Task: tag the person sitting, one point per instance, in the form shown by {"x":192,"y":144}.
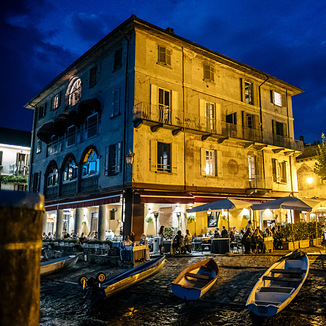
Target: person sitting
{"x":143,"y":242}
{"x":258,"y":241}
{"x":178,"y":245}
{"x":224,"y":233}
{"x":246,"y":240}
{"x":126,"y":250}
{"x":217,"y":233}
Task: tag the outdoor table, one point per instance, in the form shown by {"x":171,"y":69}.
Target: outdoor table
{"x":220,"y":245}
{"x":269,"y":244}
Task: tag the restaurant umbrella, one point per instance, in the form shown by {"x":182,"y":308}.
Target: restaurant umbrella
{"x":289,"y":202}
{"x":227,"y":204}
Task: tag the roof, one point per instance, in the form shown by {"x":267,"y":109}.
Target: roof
{"x":15,"y":137}
{"x":130,"y":24}
{"x":308,"y":152}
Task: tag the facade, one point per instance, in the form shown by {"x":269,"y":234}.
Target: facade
{"x":147,"y":124}
{"x":15,"y":146}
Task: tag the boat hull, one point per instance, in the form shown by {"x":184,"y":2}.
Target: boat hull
{"x":54,"y":265}
{"x":192,"y":283}
{"x":279,"y":285}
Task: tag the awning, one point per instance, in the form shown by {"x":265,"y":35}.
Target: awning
{"x":46,"y":132}
{"x":88,"y":107}
{"x":285,"y":203}
{"x":64,"y":120}
{"x":221,"y":204}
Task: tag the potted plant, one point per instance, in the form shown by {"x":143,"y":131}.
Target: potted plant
{"x":191,"y":218}
{"x":149,"y":219}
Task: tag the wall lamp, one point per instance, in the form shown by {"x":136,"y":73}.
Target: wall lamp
{"x":130,"y":157}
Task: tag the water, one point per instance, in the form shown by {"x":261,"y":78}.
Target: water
{"x":152,"y":302}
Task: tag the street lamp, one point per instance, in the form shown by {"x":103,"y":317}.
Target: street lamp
{"x":130,"y":158}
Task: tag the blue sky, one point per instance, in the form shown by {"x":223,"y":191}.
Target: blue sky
{"x":286,"y":39}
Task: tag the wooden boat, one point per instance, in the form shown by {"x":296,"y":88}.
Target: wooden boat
{"x":54,"y":265}
{"x":279,"y":285}
{"x":100,"y":288}
{"x":195,"y":280}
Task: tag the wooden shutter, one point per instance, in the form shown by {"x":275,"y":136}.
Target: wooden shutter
{"x":106,"y":162}
{"x":285,"y":130}
{"x":287,"y":170}
{"x":218,"y":118}
{"x":153,"y":155}
{"x":284,"y":100}
{"x":203,"y":161}
{"x":273,"y":127}
{"x":272,"y":96}
{"x":154,"y":107}
{"x":202,"y":113}
{"x":174,"y":157}
{"x":241,"y":89}
{"x":219,"y":165}
{"x":175,"y":107}
{"x":118,"y":158}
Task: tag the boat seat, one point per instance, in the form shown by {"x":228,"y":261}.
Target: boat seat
{"x":265,"y":303}
{"x":279,"y":289}
{"x":281,"y":279}
{"x":292,"y":271}
{"x":200,"y":276}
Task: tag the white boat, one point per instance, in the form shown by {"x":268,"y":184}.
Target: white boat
{"x":279,"y":285}
{"x":53,"y":265}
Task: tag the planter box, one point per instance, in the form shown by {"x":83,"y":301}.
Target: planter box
{"x":292,"y":245}
{"x":304,"y":243}
{"x":56,"y":243}
{"x":314,"y":241}
{"x":61,"y":244}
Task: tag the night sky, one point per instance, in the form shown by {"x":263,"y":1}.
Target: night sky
{"x":286,"y":39}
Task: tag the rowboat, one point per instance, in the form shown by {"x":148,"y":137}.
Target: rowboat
{"x":279,"y":285}
{"x":99,"y":288}
{"x":194,"y":281}
{"x":54,"y":265}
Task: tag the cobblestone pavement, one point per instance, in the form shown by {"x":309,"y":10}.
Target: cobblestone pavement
{"x":152,"y":302}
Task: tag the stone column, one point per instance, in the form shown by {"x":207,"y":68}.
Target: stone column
{"x":102,"y":222}
{"x":45,"y":222}
{"x":78,"y":221}
{"x":59,"y":224}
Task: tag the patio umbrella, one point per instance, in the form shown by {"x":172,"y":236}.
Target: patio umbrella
{"x":222,"y":204}
{"x":285,"y":203}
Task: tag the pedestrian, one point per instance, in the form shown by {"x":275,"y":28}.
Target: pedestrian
{"x":162,"y":237}
{"x":187,"y":241}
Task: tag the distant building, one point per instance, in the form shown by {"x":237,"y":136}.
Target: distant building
{"x":146,"y":124}
{"x":15,"y":148}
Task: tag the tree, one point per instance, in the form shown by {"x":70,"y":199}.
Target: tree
{"x":320,"y":165}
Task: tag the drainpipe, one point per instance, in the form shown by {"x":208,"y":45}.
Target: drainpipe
{"x":290,"y":157}
{"x":183,"y":123}
{"x":261,"y":125}
{"x":32,"y":151}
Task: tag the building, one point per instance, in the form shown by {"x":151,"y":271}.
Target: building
{"x":15,"y":148}
{"x":146,"y":124}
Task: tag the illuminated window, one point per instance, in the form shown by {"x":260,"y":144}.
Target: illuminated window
{"x":208,"y":72}
{"x":70,"y":171}
{"x":210,"y":166}
{"x":248,"y":92}
{"x":280,"y":171}
{"x":52,"y":179}
{"x":210,"y":116}
{"x":163,"y":157}
{"x":56,"y":101}
{"x":164,"y":55}
{"x":91,"y":164}
{"x":276,"y":98}
{"x":73,"y":93}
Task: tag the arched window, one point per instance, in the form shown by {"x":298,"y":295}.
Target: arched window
{"x":73,"y":93}
{"x":70,"y":171}
{"x":91,"y":163}
{"x":52,"y":178}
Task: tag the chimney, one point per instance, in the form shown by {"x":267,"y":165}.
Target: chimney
{"x":170,"y":30}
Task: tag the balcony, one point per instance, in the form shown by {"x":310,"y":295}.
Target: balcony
{"x":89,"y":183}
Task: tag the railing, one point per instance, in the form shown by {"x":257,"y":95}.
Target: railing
{"x":167,"y":116}
{"x":89,"y":183}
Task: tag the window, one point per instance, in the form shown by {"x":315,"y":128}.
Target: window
{"x":92,"y":76}
{"x":117,"y":59}
{"x":252,"y":167}
{"x":248,"y":92}
{"x":164,"y":55}
{"x":279,"y":128}
{"x":276,"y":98}
{"x":56,"y":101}
{"x":210,"y":162}
{"x":36,"y":181}
{"x":73,"y":93}
{"x":231,"y":118}
{"x":116,"y":103}
{"x":70,"y":171}
{"x":1,"y":154}
{"x":42,"y":111}
{"x":91,"y":164}
{"x":250,"y":123}
{"x":113,"y":159}
{"x":208,"y":72}
{"x":52,"y":179}
{"x":112,"y":214}
{"x":71,"y":135}
{"x":22,"y":161}
{"x":92,"y":125}
{"x":280,"y":171}
{"x":210,"y":116}
{"x":164,"y":106}
{"x":163,"y":157}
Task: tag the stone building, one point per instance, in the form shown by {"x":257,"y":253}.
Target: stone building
{"x":146,"y":124}
{"x":15,"y":146}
